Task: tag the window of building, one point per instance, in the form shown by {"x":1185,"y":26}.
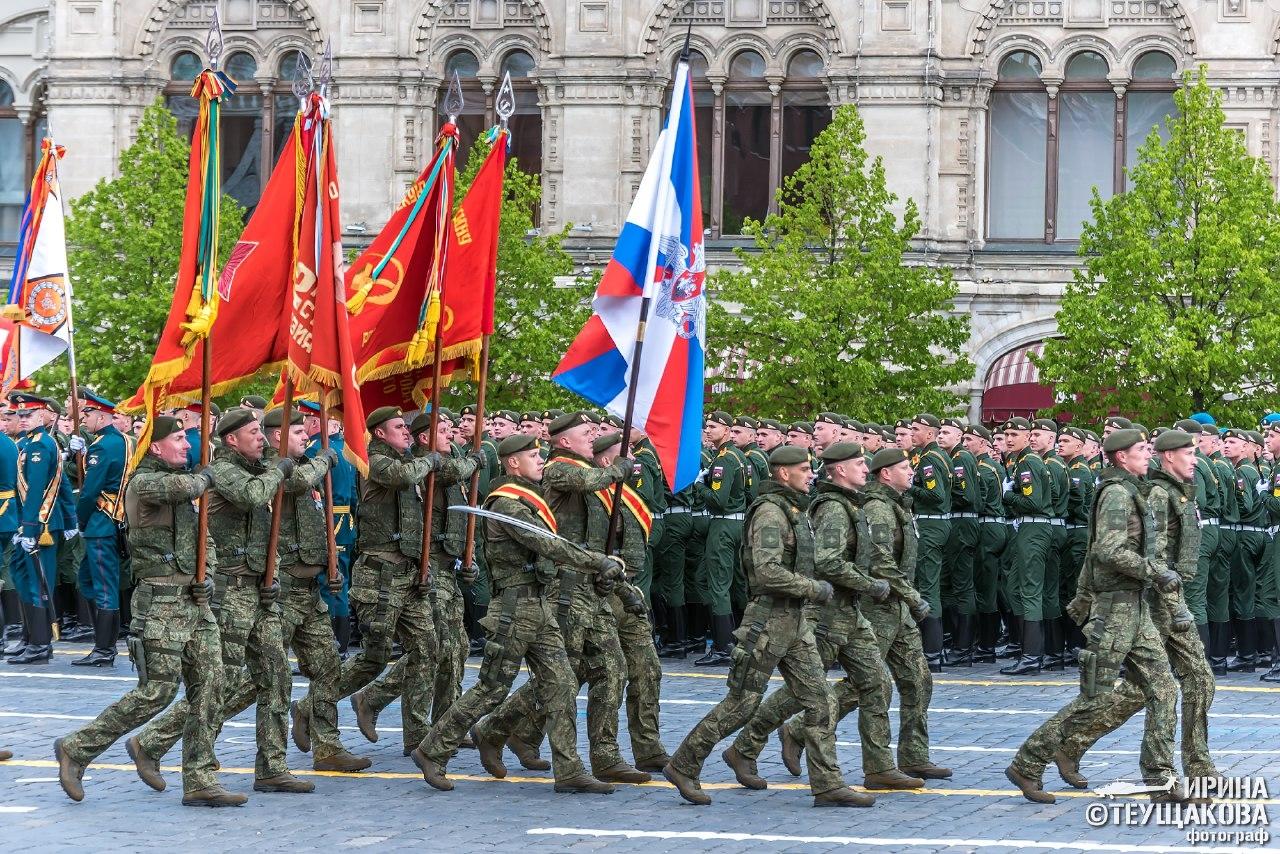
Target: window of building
{"x":805,"y":113}
{"x":474,"y":119}
{"x":1039,"y":184}
{"x":13,"y":168}
{"x":745,"y":185}
{"x":526,"y":124}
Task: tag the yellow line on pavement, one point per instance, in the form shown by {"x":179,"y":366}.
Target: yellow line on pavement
{"x":655,"y":784}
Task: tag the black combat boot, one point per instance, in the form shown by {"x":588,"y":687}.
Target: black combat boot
{"x":722,"y":631}
{"x":1013,"y":644}
{"x":1245,"y":657}
{"x":1273,"y":675}
{"x":1032,"y":659}
{"x":931,"y":638}
{"x":677,"y":647}
{"x":342,"y":634}
{"x":988,"y":628}
{"x":106,"y":626}
{"x":40,"y":630}
{"x":961,"y":654}
{"x":1219,"y":638}
{"x":1264,"y":641}
{"x":1054,"y":644}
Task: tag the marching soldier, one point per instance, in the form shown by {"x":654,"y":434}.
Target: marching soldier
{"x":521,"y":624}
{"x":725,"y":495}
{"x":779,"y":558}
{"x":1209,"y":504}
{"x":1044,"y":438}
{"x":176,"y":635}
{"x":931,"y":500}
{"x":1218,"y":590}
{"x":14,"y":628}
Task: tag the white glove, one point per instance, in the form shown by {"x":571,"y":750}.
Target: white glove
{"x":1008,"y":485}
{"x":70,"y":533}
{"x":16,"y":538}
{"x":28,"y":544}
{"x":76,"y":443}
{"x":1260,"y":487}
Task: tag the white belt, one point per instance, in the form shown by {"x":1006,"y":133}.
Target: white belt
{"x":1212,"y":520}
{"x":738,"y":517}
{"x":1076,"y":527}
{"x":677,"y":511}
{"x":964,"y":515}
{"x":1000,"y":520}
{"x":1022,"y":520}
{"x":939,"y":516}
{"x":657,"y":515}
{"x":1058,"y":523}
{"x":1273,"y":530}
{"x":1252,"y":529}
{"x":702,"y":513}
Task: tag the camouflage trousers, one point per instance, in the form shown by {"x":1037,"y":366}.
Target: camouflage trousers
{"x":390,"y":605}
{"x":644,"y":682}
{"x":180,"y":644}
{"x":768,"y":640}
{"x":254,"y":636}
{"x":447,"y":608}
{"x":1120,"y":632}
{"x":1196,"y":684}
{"x":898,"y":641}
{"x":308,"y":632}
{"x":530,"y":634}
{"x":596,"y":657}
{"x":865,"y":687}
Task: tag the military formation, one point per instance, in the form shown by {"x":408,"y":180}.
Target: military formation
{"x":1147,"y":560}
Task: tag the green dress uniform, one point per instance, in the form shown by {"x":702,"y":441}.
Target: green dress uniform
{"x":1060,"y":483}
{"x":1218,"y":590}
{"x":958,"y":595}
{"x":725,"y":496}
{"x":255,"y":667}
{"x":759,"y":469}
{"x":931,"y":501}
{"x":1080,"y":480}
{"x":1251,"y":542}
{"x":648,"y":480}
{"x":993,"y":535}
{"x":1209,"y":506}
{"x":175,"y":637}
{"x":1029,"y":503}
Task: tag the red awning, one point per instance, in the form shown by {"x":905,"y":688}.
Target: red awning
{"x":1013,"y":387}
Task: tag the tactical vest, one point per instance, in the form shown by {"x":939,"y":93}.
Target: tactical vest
{"x":1188,"y":555}
{"x":303,"y":538}
{"x":509,"y":562}
{"x":1103,"y":580}
{"x":800,"y":555}
{"x":906,"y":541}
{"x":843,"y":598}
{"x":241,"y":536}
{"x":389,"y":518}
{"x":162,"y":537}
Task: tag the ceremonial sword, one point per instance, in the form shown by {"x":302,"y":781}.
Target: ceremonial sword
{"x":509,"y":520}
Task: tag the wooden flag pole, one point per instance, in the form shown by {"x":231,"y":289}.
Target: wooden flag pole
{"x":477,"y":439}
{"x":331,"y":532}
{"x":206,"y":431}
{"x":277,"y":503}
{"x":429,"y":494}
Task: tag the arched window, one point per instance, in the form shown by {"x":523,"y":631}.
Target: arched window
{"x":526,"y":124}
{"x":1148,"y":102}
{"x":473,"y":120}
{"x":747,"y":127}
{"x":1087,"y":156}
{"x":805,"y":112}
{"x":185,"y":66}
{"x":14,"y":169}
{"x":1017,"y":153}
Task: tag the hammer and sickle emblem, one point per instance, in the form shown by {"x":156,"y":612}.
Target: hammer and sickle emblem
{"x":386,"y":286}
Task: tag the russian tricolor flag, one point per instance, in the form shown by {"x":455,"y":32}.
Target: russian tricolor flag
{"x":656,"y":277}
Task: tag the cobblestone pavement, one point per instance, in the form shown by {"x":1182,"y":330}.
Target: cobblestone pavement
{"x":978,"y":719}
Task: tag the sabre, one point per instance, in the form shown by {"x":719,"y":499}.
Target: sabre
{"x":508,"y":520}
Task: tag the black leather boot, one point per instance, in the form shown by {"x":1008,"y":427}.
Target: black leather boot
{"x":678,"y":648}
{"x":1273,"y":675}
{"x":931,"y":639}
{"x":40,"y":629}
{"x":106,"y":626}
{"x":342,"y":634}
{"x":1032,"y":659}
{"x":1245,"y":657}
{"x":722,"y":631}
{"x":988,"y":627}
{"x":1013,"y":645}
{"x":1054,"y":644}
{"x":1264,"y":642}
{"x":1219,"y":636}
{"x":961,"y":654}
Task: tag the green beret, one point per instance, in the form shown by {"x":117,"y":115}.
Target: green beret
{"x":1189,"y":425}
{"x":772,"y":424}
{"x":720,"y":417}
{"x":1092,"y":436}
{"x":801,"y":427}
{"x":469,"y":409}
{"x":829,"y":418}
{"x":871,"y":427}
{"x":254,"y":401}
{"x":421,"y":423}
{"x":887,"y":434}
{"x":381,"y":415}
{"x":613,"y":421}
{"x":165,"y":426}
{"x":1172,"y":440}
{"x":1119,"y":422}
{"x":1046,"y":424}
{"x":567,"y":420}
{"x":788,"y":455}
{"x":54,"y":405}
{"x":927,"y":420}
{"x":516,"y":443}
{"x":1017,"y":424}
{"x":1159,"y":430}
{"x":604,"y":443}
{"x":902,"y":424}
{"x":1235,"y":433}
{"x":508,"y":415}
{"x":1122,"y":440}
{"x":552,"y":414}
{"x":841,"y":451}
{"x":855,"y":425}
{"x":1146,"y":434}
{"x":1074,"y":433}
{"x":978,"y":430}
{"x":886,"y":457}
{"x":1255,"y":437}
{"x":745,"y":421}
{"x":954,"y":422}
{"x":275,"y":417}
{"x":535,"y":417}
{"x":234,"y":420}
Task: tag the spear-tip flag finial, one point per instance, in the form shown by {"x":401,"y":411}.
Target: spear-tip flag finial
{"x":453,"y":100}
{"x":505,"y":104}
{"x":213,"y":41}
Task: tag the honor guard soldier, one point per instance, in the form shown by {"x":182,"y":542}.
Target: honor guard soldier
{"x":1071,"y":448}
{"x":190,"y":418}
{"x":993,"y":535}
{"x":958,"y":595}
{"x":724,"y":493}
{"x":931,"y":501}
{"x":1028,"y":499}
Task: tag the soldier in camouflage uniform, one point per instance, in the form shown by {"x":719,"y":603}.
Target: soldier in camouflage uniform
{"x":1120,"y":568}
{"x":249,"y":615}
{"x":303,"y":551}
{"x":522,"y":625}
{"x":176,"y":636}
{"x":842,"y":553}
{"x":572,"y":486}
{"x":779,"y":559}
{"x":1177,"y":533}
{"x":448,"y":577}
{"x":386,"y":589}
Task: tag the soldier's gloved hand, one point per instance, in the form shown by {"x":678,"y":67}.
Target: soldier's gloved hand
{"x":632,"y":600}
{"x":822,"y":592}
{"x":70,"y":533}
{"x":879,"y":590}
{"x":202,"y":591}
{"x":331,"y":456}
{"x":285,"y":466}
{"x":28,"y":545}
{"x":335,"y":586}
{"x":1078,"y":610}
{"x":1007,"y":486}
{"x":1182,"y":621}
{"x":1260,"y":487}
{"x":610,"y":567}
{"x":920,"y":611}
{"x":434,"y":458}
{"x":267,"y":596}
{"x":604,"y":585}
{"x":76,"y":444}
{"x":1167,"y":580}
{"x":468,"y":574}
{"x":478,"y":457}
{"x":16,"y":538}
{"x":207,"y":474}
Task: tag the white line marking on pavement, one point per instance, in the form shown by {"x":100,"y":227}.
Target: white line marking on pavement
{"x":970,"y":748}
{"x":6,"y":810}
{"x":92,"y":678}
{"x":877,"y":841}
{"x":45,"y":779}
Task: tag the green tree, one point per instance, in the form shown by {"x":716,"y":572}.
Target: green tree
{"x":830,"y":316}
{"x":535,"y":319}
{"x":1176,"y":308}
{"x":124,"y":238}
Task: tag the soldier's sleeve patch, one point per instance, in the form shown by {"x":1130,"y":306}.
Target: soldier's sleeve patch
{"x":717,"y":471}
{"x":770,"y":537}
{"x":1075,"y":481}
{"x":927,"y":471}
{"x":35,"y":458}
{"x":1116,"y":518}
{"x":831,"y":538}
{"x":92,"y":461}
{"x":1026,"y":477}
{"x":881,"y":532}
{"x":930,"y":484}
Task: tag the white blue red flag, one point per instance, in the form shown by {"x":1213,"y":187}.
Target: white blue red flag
{"x":658,"y":268}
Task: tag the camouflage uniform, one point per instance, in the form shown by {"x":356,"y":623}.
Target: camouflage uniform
{"x":842,"y":552}
{"x":1120,"y":631}
{"x":589,"y":630}
{"x":250,"y":626}
{"x":1177,"y":545}
{"x":775,"y":634}
{"x":178,"y":638}
{"x":521,"y":627}
{"x":385,"y":592}
{"x":448,"y":539}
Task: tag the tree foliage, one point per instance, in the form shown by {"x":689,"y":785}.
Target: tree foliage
{"x":535,"y":319}
{"x":830,"y":315}
{"x":1176,"y":308}
{"x":124,"y":238}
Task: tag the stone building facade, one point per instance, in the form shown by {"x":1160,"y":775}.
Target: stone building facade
{"x":995,"y":116}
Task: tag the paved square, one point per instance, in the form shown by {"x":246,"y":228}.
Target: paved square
{"x":977,"y":721}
